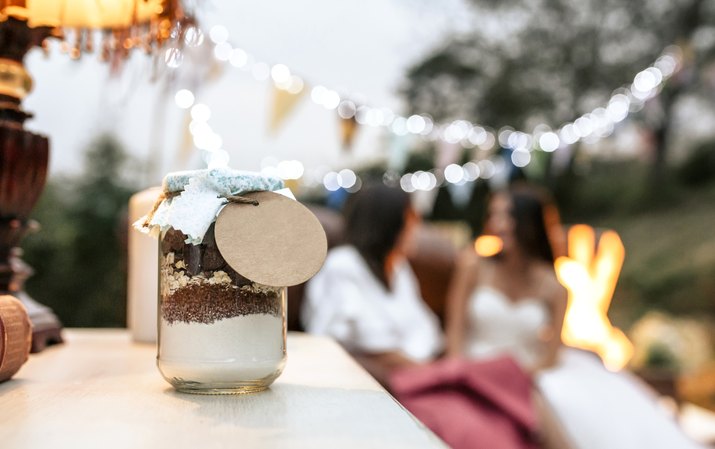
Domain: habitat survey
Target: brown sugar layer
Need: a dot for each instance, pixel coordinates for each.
(207, 303)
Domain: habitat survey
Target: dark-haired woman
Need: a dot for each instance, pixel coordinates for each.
(366, 296)
(512, 304)
(519, 280)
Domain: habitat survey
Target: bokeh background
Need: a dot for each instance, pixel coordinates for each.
(507, 66)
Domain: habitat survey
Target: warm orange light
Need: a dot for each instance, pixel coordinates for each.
(96, 14)
(590, 275)
(488, 245)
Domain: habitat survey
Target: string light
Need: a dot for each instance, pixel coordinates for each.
(223, 51)
(331, 181)
(238, 58)
(218, 34)
(193, 37)
(549, 141)
(173, 57)
(596, 124)
(453, 173)
(184, 98)
(471, 171)
(589, 127)
(290, 169)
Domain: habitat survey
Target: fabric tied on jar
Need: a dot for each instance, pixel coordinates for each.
(230, 243)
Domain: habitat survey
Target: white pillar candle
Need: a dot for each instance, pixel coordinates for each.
(143, 271)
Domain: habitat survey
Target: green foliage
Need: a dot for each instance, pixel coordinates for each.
(699, 167)
(420, 160)
(670, 258)
(530, 61)
(79, 254)
(526, 63)
(602, 189)
(660, 357)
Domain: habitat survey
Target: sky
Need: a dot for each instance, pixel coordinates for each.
(359, 47)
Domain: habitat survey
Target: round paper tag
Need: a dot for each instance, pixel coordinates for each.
(279, 242)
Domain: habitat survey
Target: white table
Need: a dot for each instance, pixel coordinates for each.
(100, 390)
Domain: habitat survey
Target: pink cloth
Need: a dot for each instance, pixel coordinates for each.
(471, 404)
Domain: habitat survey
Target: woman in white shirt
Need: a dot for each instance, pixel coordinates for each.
(366, 296)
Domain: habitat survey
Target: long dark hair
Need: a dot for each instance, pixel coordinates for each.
(374, 218)
(538, 225)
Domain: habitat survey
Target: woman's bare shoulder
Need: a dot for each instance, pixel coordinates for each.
(468, 257)
(469, 260)
(468, 263)
(551, 287)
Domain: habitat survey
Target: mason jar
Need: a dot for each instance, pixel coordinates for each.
(219, 332)
(230, 243)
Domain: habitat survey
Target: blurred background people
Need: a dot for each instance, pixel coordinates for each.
(512, 304)
(366, 295)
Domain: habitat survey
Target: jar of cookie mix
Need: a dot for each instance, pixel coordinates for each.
(230, 243)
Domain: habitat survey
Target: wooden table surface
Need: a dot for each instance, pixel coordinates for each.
(100, 390)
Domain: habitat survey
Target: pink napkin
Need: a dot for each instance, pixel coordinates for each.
(471, 404)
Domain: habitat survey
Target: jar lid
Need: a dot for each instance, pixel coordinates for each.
(224, 180)
(15, 336)
(191, 200)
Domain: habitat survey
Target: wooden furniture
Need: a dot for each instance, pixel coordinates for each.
(432, 257)
(101, 390)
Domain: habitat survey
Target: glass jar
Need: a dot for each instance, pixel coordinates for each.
(219, 333)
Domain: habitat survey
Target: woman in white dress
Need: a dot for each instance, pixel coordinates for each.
(366, 296)
(512, 304)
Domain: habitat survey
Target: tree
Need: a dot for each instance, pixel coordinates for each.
(527, 62)
(79, 255)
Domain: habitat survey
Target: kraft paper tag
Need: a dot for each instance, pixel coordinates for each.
(278, 243)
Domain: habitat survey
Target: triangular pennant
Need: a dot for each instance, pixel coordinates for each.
(348, 129)
(215, 71)
(283, 103)
(447, 153)
(398, 152)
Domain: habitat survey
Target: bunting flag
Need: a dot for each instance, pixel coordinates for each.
(399, 150)
(293, 185)
(215, 71)
(423, 201)
(460, 193)
(452, 138)
(348, 129)
(447, 153)
(283, 104)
